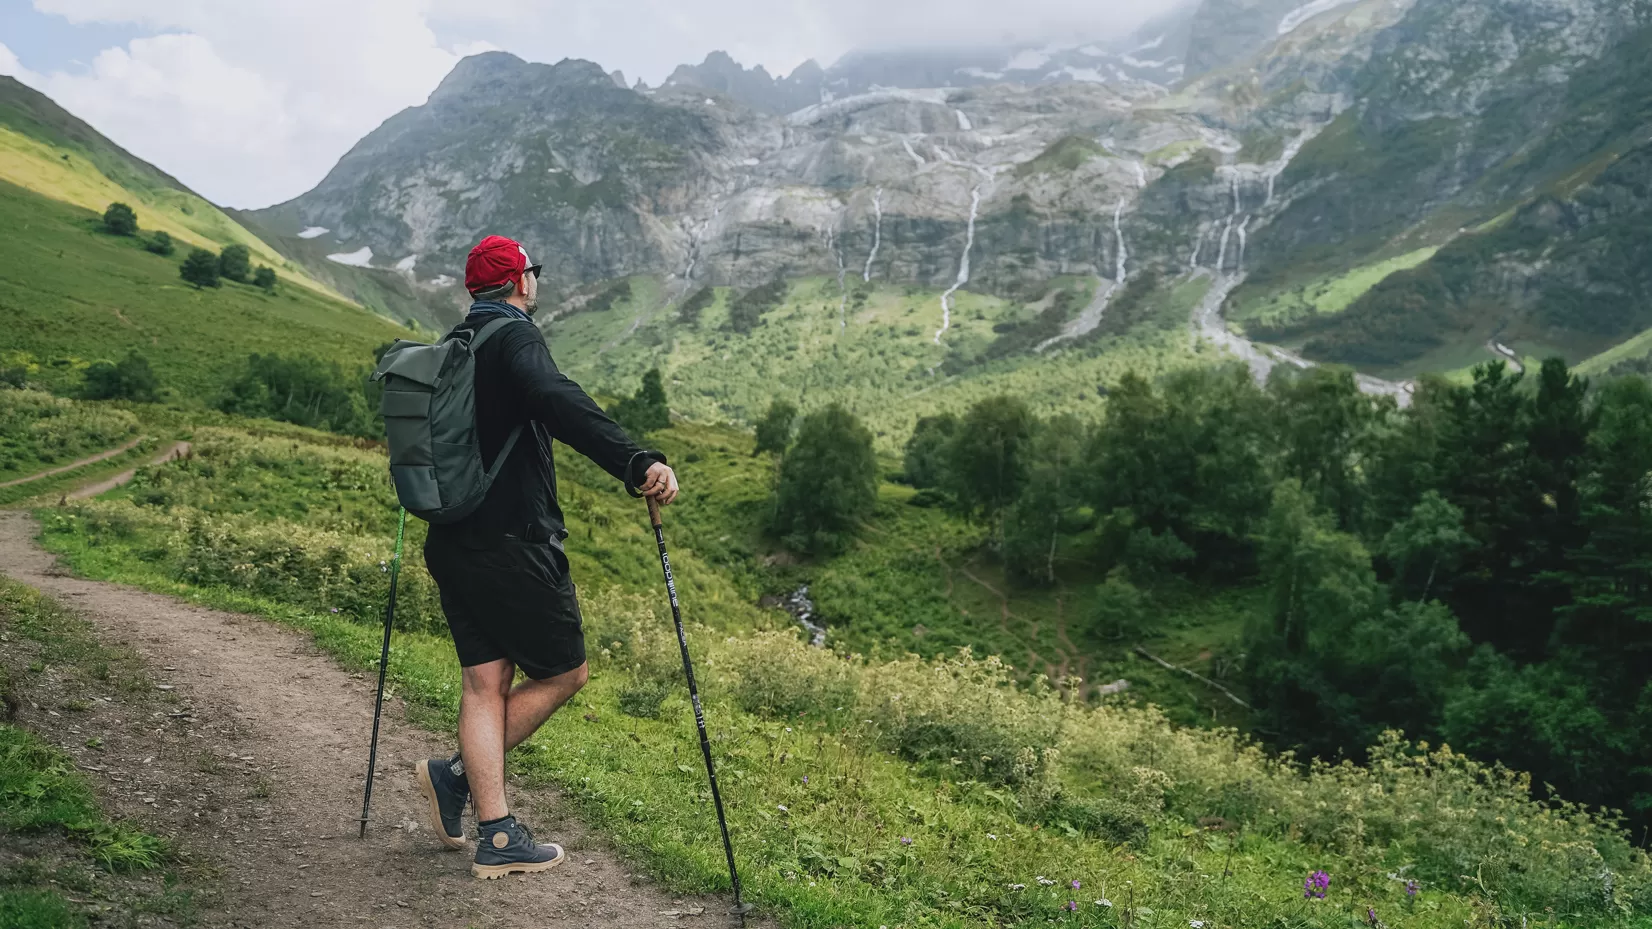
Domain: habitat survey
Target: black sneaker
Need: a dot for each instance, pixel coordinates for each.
(447, 794)
(507, 847)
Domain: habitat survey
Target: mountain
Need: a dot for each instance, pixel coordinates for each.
(1397, 184)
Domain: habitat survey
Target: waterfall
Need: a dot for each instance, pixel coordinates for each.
(877, 234)
(964, 125)
(1118, 230)
(907, 144)
(1240, 268)
(1198, 243)
(963, 266)
(1285, 159)
(842, 271)
(1141, 175)
(1222, 256)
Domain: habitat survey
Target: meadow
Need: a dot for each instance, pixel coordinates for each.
(890, 790)
(73, 295)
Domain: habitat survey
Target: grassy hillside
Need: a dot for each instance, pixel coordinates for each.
(49, 151)
(871, 349)
(884, 792)
(72, 294)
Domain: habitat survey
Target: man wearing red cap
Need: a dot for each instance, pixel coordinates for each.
(502, 572)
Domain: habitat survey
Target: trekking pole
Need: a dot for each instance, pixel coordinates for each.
(384, 665)
(740, 908)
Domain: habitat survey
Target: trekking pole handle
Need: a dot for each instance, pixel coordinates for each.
(654, 511)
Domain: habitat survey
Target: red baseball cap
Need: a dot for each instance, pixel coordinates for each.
(495, 262)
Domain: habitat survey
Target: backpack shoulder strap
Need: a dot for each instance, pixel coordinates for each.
(488, 331)
(504, 453)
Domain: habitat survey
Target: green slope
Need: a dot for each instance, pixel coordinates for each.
(872, 350)
(71, 294)
(48, 150)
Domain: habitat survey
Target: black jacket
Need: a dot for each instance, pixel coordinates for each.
(517, 382)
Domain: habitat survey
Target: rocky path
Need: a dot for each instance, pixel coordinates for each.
(256, 773)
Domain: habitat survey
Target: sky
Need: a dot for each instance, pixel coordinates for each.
(251, 102)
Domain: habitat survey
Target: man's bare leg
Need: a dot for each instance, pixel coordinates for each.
(494, 717)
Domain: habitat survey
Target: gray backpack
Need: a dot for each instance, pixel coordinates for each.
(429, 411)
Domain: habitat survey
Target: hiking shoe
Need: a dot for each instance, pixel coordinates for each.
(507, 847)
(446, 794)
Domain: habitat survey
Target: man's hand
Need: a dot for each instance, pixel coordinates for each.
(660, 483)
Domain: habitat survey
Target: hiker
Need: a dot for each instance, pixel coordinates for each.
(502, 572)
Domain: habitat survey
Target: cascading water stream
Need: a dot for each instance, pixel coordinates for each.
(919, 159)
(963, 266)
(842, 273)
(1119, 276)
(877, 234)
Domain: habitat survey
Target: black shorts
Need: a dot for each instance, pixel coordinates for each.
(509, 599)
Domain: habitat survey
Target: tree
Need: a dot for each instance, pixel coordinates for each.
(160, 243)
(235, 263)
(926, 460)
(774, 430)
(200, 268)
(987, 465)
(120, 219)
(131, 378)
(689, 312)
(265, 277)
(646, 411)
(1325, 427)
(1430, 539)
(828, 483)
(1032, 526)
(747, 310)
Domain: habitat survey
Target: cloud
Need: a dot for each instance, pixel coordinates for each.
(252, 103)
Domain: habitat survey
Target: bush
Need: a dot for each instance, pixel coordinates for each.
(200, 268)
(265, 278)
(689, 313)
(776, 675)
(303, 390)
(235, 263)
(967, 713)
(131, 378)
(160, 243)
(120, 219)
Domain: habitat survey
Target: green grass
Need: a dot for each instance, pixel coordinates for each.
(875, 357)
(1326, 295)
(48, 813)
(823, 774)
(39, 431)
(72, 295)
(1064, 155)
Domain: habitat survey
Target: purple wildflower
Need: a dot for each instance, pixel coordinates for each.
(1072, 906)
(805, 780)
(335, 609)
(1411, 888)
(1076, 884)
(1316, 886)
(905, 840)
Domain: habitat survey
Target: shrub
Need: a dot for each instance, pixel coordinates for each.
(647, 410)
(968, 713)
(200, 268)
(131, 378)
(689, 313)
(747, 310)
(160, 243)
(775, 674)
(235, 263)
(303, 390)
(265, 278)
(120, 219)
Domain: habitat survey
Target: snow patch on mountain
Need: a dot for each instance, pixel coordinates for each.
(360, 258)
(313, 232)
(1302, 14)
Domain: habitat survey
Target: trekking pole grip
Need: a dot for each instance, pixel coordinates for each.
(654, 511)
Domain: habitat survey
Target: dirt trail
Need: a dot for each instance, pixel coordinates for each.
(178, 450)
(261, 700)
(100, 456)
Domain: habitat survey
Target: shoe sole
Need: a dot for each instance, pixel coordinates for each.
(493, 872)
(428, 788)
